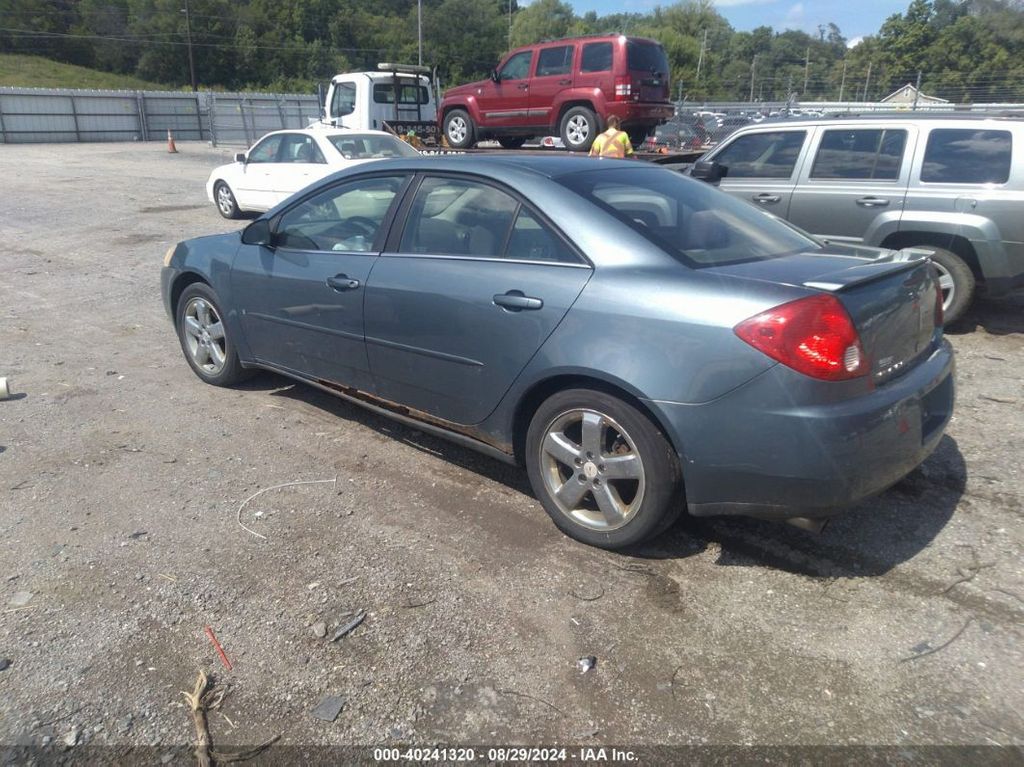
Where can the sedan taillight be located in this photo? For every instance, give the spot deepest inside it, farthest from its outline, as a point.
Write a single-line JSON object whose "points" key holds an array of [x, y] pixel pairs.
{"points": [[814, 336]]}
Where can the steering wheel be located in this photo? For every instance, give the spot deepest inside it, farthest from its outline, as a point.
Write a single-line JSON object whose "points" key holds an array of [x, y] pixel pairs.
{"points": [[364, 225]]}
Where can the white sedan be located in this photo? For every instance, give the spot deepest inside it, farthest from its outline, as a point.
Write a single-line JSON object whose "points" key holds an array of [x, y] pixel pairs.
{"points": [[283, 162]]}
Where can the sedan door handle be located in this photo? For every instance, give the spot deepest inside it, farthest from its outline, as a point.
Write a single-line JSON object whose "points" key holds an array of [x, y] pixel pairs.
{"points": [[516, 301], [342, 282], [766, 199], [872, 202]]}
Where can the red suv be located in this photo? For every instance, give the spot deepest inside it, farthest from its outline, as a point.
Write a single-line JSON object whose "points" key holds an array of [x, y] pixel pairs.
{"points": [[567, 87]]}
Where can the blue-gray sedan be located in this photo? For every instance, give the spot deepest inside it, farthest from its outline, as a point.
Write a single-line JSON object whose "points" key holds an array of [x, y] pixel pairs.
{"points": [[638, 340]]}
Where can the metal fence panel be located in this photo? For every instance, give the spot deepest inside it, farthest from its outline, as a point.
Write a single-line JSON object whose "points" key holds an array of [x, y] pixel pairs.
{"points": [[185, 115], [35, 115], [241, 118]]}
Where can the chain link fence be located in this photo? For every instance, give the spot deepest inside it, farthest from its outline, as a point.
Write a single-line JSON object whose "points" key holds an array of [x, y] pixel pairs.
{"points": [[705, 124]]}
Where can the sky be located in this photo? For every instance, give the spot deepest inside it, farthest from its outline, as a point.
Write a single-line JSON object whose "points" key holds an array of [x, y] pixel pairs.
{"points": [[855, 18]]}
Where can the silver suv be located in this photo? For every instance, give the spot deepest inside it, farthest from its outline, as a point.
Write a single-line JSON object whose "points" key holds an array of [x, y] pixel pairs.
{"points": [[952, 185]]}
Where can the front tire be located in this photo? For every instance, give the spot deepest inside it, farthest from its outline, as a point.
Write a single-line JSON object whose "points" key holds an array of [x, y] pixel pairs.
{"points": [[956, 280], [579, 129], [459, 130], [605, 474], [204, 337], [225, 200]]}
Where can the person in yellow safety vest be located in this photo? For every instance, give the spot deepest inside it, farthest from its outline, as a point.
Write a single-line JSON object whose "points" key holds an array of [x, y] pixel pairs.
{"points": [[613, 142]]}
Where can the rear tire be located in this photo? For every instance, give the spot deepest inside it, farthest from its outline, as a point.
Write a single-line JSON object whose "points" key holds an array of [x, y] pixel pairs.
{"points": [[603, 471], [459, 131], [956, 281], [578, 129], [638, 136]]}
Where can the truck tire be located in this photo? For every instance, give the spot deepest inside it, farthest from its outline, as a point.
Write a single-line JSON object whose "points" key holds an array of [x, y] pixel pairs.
{"points": [[579, 129], [459, 131], [956, 281], [511, 142]]}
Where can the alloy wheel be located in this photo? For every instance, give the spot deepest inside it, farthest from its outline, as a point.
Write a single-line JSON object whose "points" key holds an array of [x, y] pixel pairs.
{"points": [[225, 200], [457, 130], [205, 339], [592, 469]]}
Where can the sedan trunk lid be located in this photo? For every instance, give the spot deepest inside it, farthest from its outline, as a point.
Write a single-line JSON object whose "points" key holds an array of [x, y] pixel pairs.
{"points": [[891, 300]]}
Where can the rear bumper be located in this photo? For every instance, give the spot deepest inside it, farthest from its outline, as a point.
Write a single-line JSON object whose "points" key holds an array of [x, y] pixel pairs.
{"points": [[758, 452], [640, 113]]}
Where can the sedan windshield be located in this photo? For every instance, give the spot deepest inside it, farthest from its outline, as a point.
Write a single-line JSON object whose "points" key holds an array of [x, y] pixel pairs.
{"points": [[364, 147], [693, 222]]}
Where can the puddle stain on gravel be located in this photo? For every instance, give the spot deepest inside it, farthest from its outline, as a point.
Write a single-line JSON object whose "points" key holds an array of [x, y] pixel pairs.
{"points": [[169, 208]]}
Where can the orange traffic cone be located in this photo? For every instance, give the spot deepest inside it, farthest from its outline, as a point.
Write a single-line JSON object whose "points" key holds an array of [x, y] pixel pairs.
{"points": [[170, 143]]}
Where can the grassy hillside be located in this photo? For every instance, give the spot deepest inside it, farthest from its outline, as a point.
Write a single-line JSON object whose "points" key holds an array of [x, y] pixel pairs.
{"points": [[37, 72]]}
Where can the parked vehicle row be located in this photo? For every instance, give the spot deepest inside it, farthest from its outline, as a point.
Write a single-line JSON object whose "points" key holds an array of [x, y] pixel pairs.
{"points": [[639, 341]]}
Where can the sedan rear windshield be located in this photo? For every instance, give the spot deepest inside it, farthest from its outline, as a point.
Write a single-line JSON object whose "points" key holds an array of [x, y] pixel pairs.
{"points": [[356, 147], [693, 222], [646, 57]]}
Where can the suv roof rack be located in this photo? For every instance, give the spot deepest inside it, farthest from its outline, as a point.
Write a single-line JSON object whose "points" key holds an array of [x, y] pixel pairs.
{"points": [[904, 115]]}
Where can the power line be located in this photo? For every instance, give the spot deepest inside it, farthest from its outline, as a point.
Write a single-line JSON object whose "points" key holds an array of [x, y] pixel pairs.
{"points": [[24, 33]]}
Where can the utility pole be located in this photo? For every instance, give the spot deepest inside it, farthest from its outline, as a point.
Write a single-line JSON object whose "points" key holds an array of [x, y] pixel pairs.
{"points": [[188, 37], [753, 69], [419, 29], [917, 91], [867, 81], [700, 59], [510, 24], [842, 84], [807, 71]]}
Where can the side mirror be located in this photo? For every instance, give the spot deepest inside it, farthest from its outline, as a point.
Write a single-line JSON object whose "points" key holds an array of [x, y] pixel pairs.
{"points": [[709, 171], [495, 77], [240, 157], [258, 233]]}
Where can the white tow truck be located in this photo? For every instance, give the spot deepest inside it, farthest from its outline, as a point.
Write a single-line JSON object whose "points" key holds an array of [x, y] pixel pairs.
{"points": [[397, 97]]}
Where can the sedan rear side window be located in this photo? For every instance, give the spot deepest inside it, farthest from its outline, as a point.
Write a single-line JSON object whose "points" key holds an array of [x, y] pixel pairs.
{"points": [[301, 149], [762, 155], [860, 154], [691, 221], [457, 217], [958, 156]]}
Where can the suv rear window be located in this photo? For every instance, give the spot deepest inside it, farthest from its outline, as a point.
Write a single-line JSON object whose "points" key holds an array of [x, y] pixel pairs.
{"points": [[691, 221], [958, 156], [860, 154], [646, 57]]}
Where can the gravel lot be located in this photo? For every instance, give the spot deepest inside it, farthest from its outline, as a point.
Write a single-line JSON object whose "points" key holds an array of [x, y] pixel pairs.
{"points": [[121, 476]]}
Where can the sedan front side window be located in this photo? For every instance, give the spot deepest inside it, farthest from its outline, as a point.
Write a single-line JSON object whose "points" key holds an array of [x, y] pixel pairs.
{"points": [[266, 150], [347, 218]]}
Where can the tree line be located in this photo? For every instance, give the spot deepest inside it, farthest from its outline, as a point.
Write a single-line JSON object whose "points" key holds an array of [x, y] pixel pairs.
{"points": [[962, 50]]}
